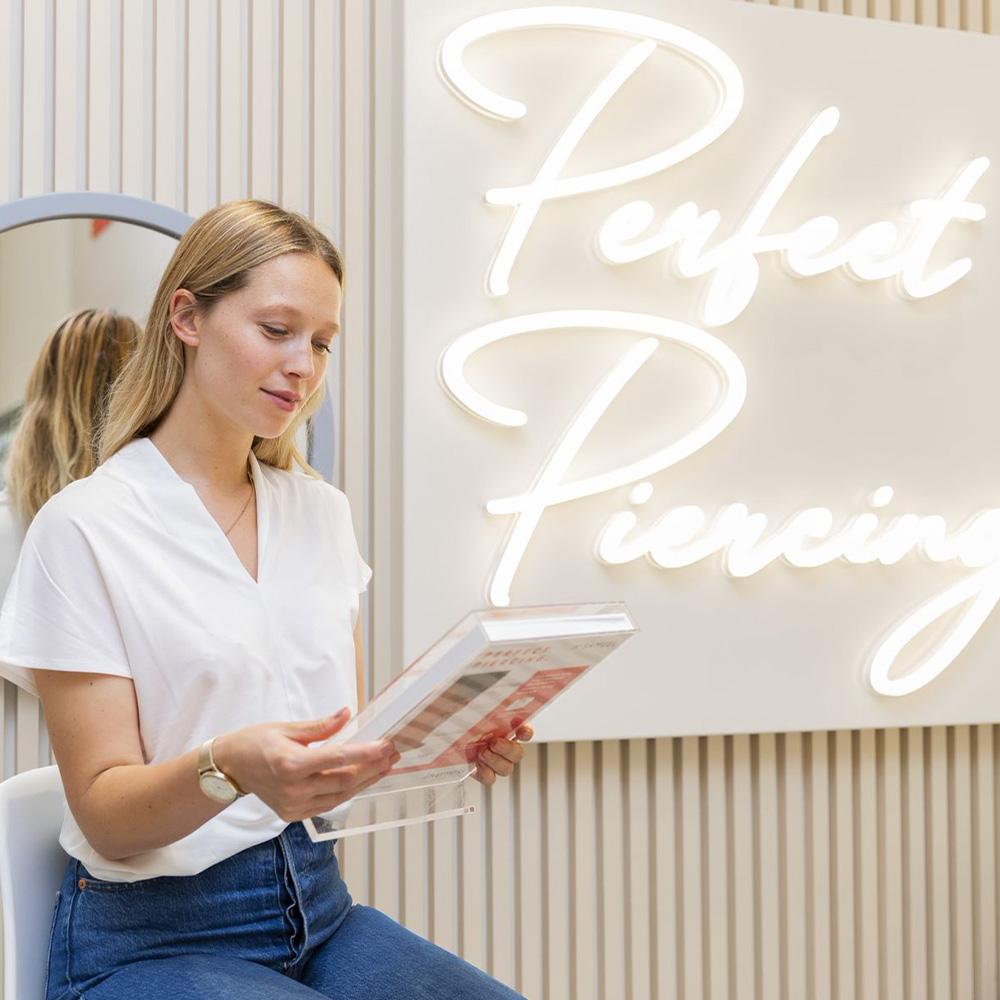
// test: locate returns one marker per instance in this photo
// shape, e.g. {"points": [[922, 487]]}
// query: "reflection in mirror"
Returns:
{"points": [[49, 269]]}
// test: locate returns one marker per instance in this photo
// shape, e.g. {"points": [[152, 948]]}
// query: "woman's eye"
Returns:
{"points": [[277, 332]]}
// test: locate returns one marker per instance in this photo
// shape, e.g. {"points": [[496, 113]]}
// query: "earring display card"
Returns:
{"points": [[493, 672]]}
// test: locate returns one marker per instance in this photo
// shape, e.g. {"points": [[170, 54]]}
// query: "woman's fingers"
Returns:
{"points": [[497, 763], [322, 759], [508, 749], [330, 800], [484, 775], [357, 769]]}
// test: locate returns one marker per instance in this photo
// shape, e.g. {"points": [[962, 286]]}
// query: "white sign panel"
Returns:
{"points": [[699, 313]]}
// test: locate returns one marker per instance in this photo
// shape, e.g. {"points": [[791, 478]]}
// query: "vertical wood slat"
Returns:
{"points": [[939, 852], [529, 875], [557, 874], [973, 14], [444, 885], [264, 89], [166, 117], [916, 898], [769, 874], [950, 14], [500, 867], [611, 864], [892, 913], [197, 112], [49, 112], [991, 16], [65, 127], [716, 866], [844, 921], [984, 874], [473, 924], [584, 846], [666, 793], [796, 901], [100, 96], [294, 147], [819, 818], [15, 100], [132, 83], [415, 848], [692, 851], [32, 158], [867, 927], [640, 848], [233, 106], [743, 849], [960, 875], [182, 99]]}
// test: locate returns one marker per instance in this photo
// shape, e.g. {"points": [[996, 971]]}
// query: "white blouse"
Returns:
{"points": [[125, 572]]}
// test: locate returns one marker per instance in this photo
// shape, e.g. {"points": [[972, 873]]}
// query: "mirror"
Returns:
{"points": [[66, 251], [52, 268]]}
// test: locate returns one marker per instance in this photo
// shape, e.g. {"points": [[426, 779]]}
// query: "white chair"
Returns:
{"points": [[31, 869]]}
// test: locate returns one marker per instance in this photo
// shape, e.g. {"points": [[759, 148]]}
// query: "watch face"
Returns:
{"points": [[217, 788]]}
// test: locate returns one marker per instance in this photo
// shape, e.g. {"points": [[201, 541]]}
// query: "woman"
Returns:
{"points": [[64, 400], [175, 603]]}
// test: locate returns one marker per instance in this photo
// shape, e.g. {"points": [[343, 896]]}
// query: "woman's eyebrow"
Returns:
{"points": [[288, 307]]}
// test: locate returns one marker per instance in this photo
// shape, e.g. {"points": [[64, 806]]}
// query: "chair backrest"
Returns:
{"points": [[31, 869]]}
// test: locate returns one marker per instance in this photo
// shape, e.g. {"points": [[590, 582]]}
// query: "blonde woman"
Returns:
{"points": [[187, 610], [64, 400]]}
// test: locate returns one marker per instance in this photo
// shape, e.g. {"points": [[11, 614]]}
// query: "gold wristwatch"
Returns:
{"points": [[216, 784]]}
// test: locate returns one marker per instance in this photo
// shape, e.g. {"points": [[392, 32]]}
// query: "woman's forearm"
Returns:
{"points": [[133, 808]]}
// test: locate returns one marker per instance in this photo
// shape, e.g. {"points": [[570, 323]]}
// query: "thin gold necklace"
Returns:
{"points": [[253, 493]]}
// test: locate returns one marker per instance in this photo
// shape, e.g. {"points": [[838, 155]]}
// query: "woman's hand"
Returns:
{"points": [[500, 756], [274, 761]]}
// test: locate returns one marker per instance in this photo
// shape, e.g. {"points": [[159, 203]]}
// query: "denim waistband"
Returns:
{"points": [[273, 903]]}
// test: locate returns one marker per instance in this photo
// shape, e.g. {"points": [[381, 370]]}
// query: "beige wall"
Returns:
{"points": [[819, 865]]}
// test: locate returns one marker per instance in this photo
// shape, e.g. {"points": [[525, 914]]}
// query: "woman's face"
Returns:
{"points": [[270, 339]]}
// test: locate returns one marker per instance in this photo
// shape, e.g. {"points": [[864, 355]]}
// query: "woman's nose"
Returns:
{"points": [[302, 361]]}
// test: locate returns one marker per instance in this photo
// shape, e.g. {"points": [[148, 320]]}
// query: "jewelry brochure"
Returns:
{"points": [[493, 672]]}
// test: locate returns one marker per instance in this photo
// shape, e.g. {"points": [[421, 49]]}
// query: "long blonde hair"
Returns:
{"points": [[64, 402], [213, 258]]}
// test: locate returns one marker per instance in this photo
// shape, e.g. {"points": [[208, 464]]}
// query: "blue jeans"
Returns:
{"points": [[273, 922]]}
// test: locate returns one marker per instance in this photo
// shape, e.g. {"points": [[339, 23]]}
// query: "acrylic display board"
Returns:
{"points": [[485, 678], [699, 314]]}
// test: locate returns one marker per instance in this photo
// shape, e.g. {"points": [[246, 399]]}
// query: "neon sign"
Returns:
{"points": [[881, 250]]}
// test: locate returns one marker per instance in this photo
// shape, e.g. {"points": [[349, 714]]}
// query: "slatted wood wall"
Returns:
{"points": [[816, 866]]}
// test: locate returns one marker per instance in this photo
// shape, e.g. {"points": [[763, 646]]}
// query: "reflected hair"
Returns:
{"points": [[213, 259], [65, 399]]}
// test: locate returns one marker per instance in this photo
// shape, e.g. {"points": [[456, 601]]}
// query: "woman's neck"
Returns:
{"points": [[202, 450]]}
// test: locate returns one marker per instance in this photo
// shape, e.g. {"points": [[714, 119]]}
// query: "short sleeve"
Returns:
{"points": [[364, 571], [57, 613], [347, 543]]}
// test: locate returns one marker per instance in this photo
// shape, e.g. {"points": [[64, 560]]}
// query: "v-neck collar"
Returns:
{"points": [[166, 474]]}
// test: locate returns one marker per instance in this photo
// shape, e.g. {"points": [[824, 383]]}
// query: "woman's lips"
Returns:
{"points": [[285, 404]]}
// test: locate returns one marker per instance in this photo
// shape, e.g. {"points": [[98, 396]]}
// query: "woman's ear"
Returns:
{"points": [[184, 316]]}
